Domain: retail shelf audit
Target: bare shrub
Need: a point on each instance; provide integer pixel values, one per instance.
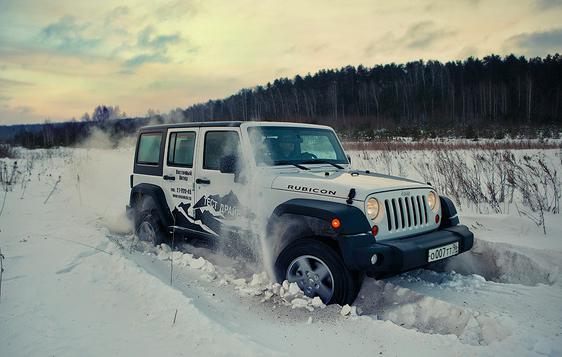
(538, 185)
(402, 144)
(9, 174)
(490, 181)
(7, 151)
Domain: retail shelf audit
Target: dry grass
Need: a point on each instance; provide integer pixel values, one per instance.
(401, 144)
(7, 151)
(486, 181)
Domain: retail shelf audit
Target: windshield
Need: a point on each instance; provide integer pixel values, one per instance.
(295, 145)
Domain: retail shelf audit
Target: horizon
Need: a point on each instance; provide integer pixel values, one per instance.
(58, 62)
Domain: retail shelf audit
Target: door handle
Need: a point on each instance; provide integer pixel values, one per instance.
(203, 181)
(168, 177)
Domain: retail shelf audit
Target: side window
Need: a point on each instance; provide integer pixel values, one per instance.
(149, 149)
(217, 145)
(181, 148)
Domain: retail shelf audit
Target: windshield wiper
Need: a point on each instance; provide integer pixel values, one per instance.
(322, 162)
(285, 162)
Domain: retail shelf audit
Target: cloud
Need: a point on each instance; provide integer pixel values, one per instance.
(438, 4)
(139, 60)
(154, 47)
(149, 39)
(19, 114)
(468, 51)
(419, 36)
(538, 43)
(11, 83)
(178, 9)
(319, 47)
(424, 34)
(68, 35)
(24, 109)
(115, 14)
(548, 4)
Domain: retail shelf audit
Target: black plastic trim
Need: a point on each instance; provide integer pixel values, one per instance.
(205, 144)
(175, 134)
(449, 213)
(150, 169)
(210, 124)
(376, 174)
(401, 254)
(159, 199)
(353, 220)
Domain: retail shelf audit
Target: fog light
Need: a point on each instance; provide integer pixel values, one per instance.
(374, 259)
(437, 219)
(375, 230)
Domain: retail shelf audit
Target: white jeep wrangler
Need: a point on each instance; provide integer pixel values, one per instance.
(324, 223)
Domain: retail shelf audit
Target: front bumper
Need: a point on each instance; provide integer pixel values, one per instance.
(398, 255)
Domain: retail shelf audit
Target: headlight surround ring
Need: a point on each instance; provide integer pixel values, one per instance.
(433, 201)
(373, 208)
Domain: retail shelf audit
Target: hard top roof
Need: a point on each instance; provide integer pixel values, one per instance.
(223, 124)
(192, 125)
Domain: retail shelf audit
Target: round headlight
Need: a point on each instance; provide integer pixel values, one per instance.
(372, 208)
(432, 200)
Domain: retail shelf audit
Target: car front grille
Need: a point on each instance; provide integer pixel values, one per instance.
(405, 213)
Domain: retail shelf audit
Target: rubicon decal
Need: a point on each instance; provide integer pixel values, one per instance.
(322, 191)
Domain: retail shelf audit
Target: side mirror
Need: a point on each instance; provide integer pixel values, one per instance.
(349, 158)
(229, 164)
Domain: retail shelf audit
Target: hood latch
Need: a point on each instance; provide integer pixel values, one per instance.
(350, 196)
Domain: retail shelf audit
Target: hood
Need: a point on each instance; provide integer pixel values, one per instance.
(339, 183)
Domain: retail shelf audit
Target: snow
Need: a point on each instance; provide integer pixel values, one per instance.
(345, 310)
(77, 283)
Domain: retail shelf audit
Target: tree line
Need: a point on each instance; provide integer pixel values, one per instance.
(492, 91)
(465, 98)
(70, 133)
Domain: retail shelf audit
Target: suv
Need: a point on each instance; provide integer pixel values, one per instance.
(291, 185)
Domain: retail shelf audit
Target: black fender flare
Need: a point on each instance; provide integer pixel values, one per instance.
(448, 212)
(158, 200)
(353, 220)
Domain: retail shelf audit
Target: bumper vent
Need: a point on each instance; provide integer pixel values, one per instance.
(406, 212)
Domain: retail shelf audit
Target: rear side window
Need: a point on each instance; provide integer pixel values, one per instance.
(149, 148)
(217, 145)
(181, 148)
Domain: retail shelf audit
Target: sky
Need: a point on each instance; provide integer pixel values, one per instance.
(59, 59)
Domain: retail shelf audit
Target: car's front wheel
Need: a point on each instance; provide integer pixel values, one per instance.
(149, 229)
(318, 270)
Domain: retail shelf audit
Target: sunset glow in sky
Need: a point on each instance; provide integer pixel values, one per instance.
(61, 59)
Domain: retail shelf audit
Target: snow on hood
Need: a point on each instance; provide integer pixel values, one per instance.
(338, 183)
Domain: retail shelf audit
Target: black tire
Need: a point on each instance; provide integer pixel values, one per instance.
(148, 221)
(345, 283)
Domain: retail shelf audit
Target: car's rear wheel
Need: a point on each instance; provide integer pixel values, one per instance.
(318, 270)
(149, 229)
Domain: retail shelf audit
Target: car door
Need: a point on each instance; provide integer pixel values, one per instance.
(218, 206)
(179, 175)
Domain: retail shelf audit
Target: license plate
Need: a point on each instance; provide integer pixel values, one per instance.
(443, 252)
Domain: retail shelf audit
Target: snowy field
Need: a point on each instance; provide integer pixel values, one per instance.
(76, 282)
